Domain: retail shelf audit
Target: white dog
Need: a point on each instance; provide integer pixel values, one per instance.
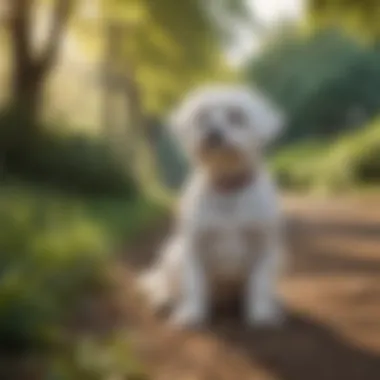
(228, 231)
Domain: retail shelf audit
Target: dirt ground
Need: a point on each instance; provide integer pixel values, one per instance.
(332, 294)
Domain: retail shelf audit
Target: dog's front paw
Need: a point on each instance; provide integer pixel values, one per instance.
(267, 315)
(187, 317)
(153, 287)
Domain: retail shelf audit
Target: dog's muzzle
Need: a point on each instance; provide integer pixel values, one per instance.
(214, 139)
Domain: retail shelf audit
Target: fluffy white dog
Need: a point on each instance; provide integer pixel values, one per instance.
(228, 231)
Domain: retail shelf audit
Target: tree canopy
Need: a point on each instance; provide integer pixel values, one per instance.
(326, 83)
(361, 18)
(169, 46)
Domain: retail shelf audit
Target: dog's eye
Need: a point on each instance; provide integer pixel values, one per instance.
(236, 117)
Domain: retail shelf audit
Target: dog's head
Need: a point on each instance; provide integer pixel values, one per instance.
(225, 127)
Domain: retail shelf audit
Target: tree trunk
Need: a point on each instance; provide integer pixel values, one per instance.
(31, 71)
(21, 128)
(28, 87)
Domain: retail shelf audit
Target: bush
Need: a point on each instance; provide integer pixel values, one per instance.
(297, 166)
(77, 163)
(95, 359)
(327, 83)
(355, 160)
(50, 255)
(349, 161)
(54, 251)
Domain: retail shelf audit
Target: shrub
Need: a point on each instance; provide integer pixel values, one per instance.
(77, 163)
(354, 160)
(349, 161)
(96, 359)
(297, 166)
(327, 83)
(54, 252)
(50, 255)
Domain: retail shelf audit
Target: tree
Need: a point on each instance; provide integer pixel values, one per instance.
(31, 69)
(169, 45)
(326, 83)
(361, 18)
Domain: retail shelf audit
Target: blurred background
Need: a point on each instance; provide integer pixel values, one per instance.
(89, 175)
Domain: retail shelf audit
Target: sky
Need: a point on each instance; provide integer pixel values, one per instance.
(268, 13)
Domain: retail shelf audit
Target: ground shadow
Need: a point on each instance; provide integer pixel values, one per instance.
(304, 349)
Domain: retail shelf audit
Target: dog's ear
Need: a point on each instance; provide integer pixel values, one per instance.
(268, 119)
(273, 124)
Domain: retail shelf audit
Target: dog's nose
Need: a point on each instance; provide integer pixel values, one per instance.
(214, 138)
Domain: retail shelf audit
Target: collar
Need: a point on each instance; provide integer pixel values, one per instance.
(229, 184)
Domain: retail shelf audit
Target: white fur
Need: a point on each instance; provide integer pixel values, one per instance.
(266, 119)
(185, 266)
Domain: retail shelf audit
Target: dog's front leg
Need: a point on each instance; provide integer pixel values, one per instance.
(192, 309)
(262, 306)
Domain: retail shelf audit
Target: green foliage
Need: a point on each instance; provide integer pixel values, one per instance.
(355, 159)
(296, 166)
(124, 219)
(54, 253)
(320, 81)
(360, 18)
(348, 162)
(170, 46)
(95, 359)
(50, 255)
(77, 163)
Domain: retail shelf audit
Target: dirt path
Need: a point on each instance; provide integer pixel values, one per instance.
(332, 294)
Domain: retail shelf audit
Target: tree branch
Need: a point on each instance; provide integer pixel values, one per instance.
(61, 13)
(19, 29)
